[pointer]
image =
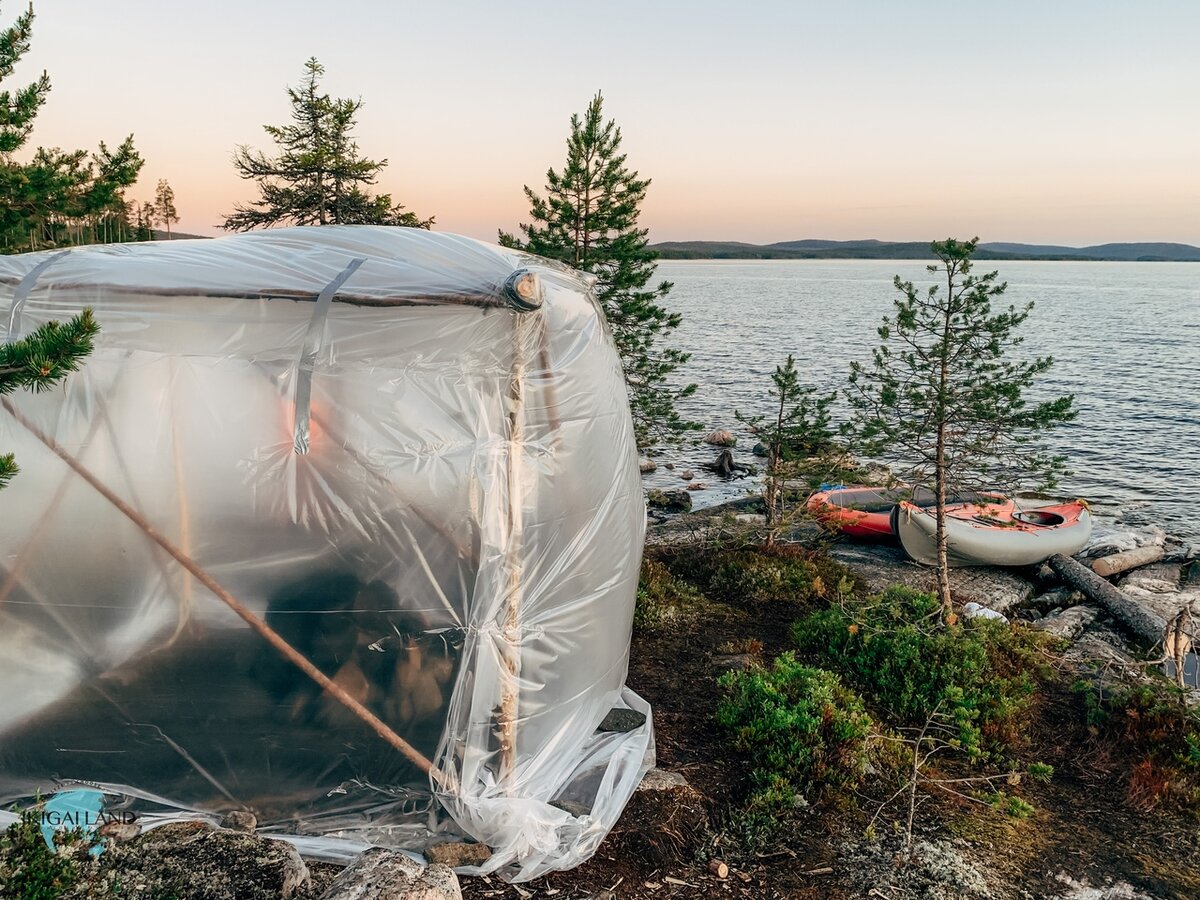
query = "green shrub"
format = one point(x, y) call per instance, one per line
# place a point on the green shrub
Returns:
point(759, 576)
point(894, 648)
point(1159, 736)
point(661, 597)
point(28, 868)
point(804, 732)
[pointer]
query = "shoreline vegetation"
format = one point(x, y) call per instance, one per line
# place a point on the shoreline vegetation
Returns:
point(873, 249)
point(1042, 757)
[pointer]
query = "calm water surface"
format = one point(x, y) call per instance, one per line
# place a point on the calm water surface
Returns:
point(1125, 338)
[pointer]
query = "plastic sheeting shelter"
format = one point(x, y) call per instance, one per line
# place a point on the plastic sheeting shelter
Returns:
point(400, 459)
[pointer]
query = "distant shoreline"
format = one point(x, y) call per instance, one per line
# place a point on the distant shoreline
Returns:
point(918, 250)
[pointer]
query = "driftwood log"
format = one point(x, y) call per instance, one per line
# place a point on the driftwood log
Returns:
point(1130, 559)
point(1142, 623)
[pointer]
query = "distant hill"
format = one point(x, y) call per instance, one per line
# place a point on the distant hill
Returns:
point(873, 249)
point(179, 236)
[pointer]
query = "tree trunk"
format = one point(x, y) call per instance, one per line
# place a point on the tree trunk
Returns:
point(1144, 624)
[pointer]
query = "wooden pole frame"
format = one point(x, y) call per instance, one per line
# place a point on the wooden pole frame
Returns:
point(510, 694)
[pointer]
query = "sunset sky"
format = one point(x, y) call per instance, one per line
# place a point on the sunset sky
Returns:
point(1064, 122)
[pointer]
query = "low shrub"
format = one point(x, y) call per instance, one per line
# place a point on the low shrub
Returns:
point(1158, 733)
point(895, 649)
point(661, 597)
point(802, 729)
point(783, 573)
point(29, 869)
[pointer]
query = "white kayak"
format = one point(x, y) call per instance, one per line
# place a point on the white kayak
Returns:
point(999, 534)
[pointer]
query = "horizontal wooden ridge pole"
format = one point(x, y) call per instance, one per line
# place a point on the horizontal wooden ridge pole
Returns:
point(269, 634)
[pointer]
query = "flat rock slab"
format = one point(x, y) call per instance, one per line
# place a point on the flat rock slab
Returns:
point(1068, 624)
point(882, 565)
point(380, 874)
point(194, 860)
point(622, 721)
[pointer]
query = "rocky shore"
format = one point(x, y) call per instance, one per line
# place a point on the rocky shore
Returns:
point(1091, 837)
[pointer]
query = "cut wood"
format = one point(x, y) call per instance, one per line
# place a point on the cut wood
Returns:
point(1130, 559)
point(1141, 622)
point(719, 868)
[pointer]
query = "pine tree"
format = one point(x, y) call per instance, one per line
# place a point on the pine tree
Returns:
point(164, 205)
point(42, 360)
point(318, 176)
point(58, 197)
point(943, 398)
point(797, 433)
point(589, 220)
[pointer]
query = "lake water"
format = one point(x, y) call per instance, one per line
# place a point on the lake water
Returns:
point(1125, 338)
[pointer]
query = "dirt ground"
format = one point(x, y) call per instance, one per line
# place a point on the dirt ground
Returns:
point(1084, 841)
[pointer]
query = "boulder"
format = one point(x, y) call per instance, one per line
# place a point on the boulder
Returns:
point(380, 874)
point(240, 820)
point(720, 438)
point(670, 501)
point(193, 859)
point(645, 466)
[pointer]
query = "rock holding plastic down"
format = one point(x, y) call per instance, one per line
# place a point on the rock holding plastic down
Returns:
point(380, 874)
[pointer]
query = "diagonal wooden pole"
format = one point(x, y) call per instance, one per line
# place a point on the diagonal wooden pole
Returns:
point(269, 634)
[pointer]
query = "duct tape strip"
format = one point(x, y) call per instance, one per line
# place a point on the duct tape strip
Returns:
point(313, 339)
point(24, 289)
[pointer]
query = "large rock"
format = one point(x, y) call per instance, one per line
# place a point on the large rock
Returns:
point(882, 565)
point(720, 438)
point(1068, 624)
point(670, 501)
point(381, 874)
point(194, 860)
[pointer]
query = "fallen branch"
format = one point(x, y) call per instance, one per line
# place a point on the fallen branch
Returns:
point(1107, 566)
point(1142, 623)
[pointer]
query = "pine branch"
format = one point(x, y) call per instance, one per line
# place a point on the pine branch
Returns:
point(49, 354)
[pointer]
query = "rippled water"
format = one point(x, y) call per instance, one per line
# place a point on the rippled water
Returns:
point(1125, 338)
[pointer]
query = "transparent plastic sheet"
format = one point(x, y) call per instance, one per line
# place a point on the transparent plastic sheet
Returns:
point(458, 548)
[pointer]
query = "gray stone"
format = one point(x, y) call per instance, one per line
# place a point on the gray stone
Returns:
point(240, 820)
point(622, 720)
point(662, 780)
point(670, 501)
point(578, 810)
point(1068, 624)
point(736, 661)
point(119, 831)
point(193, 859)
point(1059, 598)
point(462, 853)
point(646, 465)
point(380, 874)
